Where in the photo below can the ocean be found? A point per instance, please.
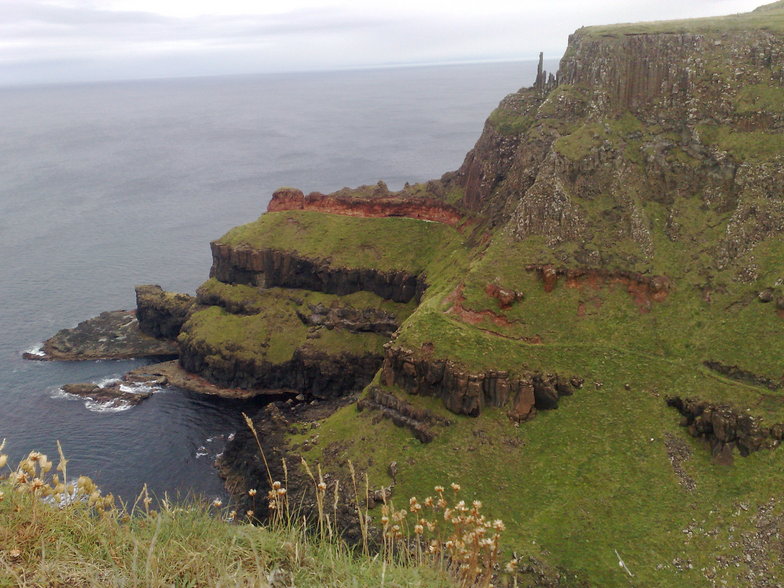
(106, 186)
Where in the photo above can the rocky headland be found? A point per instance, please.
(603, 260)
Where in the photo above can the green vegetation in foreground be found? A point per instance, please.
(381, 243)
(179, 544)
(769, 17)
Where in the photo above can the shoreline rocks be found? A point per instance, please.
(110, 335)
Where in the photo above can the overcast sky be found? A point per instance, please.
(76, 40)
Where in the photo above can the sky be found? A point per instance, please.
(86, 40)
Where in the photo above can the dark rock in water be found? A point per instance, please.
(161, 314)
(110, 335)
(112, 395)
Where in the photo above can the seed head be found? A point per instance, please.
(252, 492)
(276, 485)
(455, 487)
(217, 503)
(419, 529)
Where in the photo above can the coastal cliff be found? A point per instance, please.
(613, 240)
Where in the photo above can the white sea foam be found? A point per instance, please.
(60, 394)
(37, 351)
(113, 406)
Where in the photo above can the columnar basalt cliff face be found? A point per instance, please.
(468, 393)
(316, 373)
(422, 208)
(270, 268)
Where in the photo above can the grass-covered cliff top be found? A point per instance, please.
(379, 243)
(769, 17)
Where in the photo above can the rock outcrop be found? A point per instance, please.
(401, 412)
(464, 392)
(725, 428)
(161, 314)
(354, 320)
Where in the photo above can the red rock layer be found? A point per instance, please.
(428, 209)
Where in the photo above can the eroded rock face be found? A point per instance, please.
(161, 314)
(385, 205)
(468, 393)
(269, 268)
(726, 428)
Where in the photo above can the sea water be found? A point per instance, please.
(106, 186)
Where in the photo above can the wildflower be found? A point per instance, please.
(385, 520)
(276, 485)
(252, 492)
(34, 456)
(322, 486)
(21, 478)
(477, 504)
(3, 460)
(37, 484)
(511, 566)
(455, 487)
(2, 496)
(250, 514)
(217, 503)
(232, 515)
(281, 491)
(419, 529)
(429, 501)
(15, 554)
(498, 525)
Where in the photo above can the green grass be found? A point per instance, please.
(760, 97)
(180, 544)
(380, 243)
(272, 335)
(251, 300)
(748, 146)
(769, 17)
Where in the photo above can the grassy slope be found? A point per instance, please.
(381, 243)
(273, 332)
(769, 17)
(594, 476)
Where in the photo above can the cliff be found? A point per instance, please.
(614, 239)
